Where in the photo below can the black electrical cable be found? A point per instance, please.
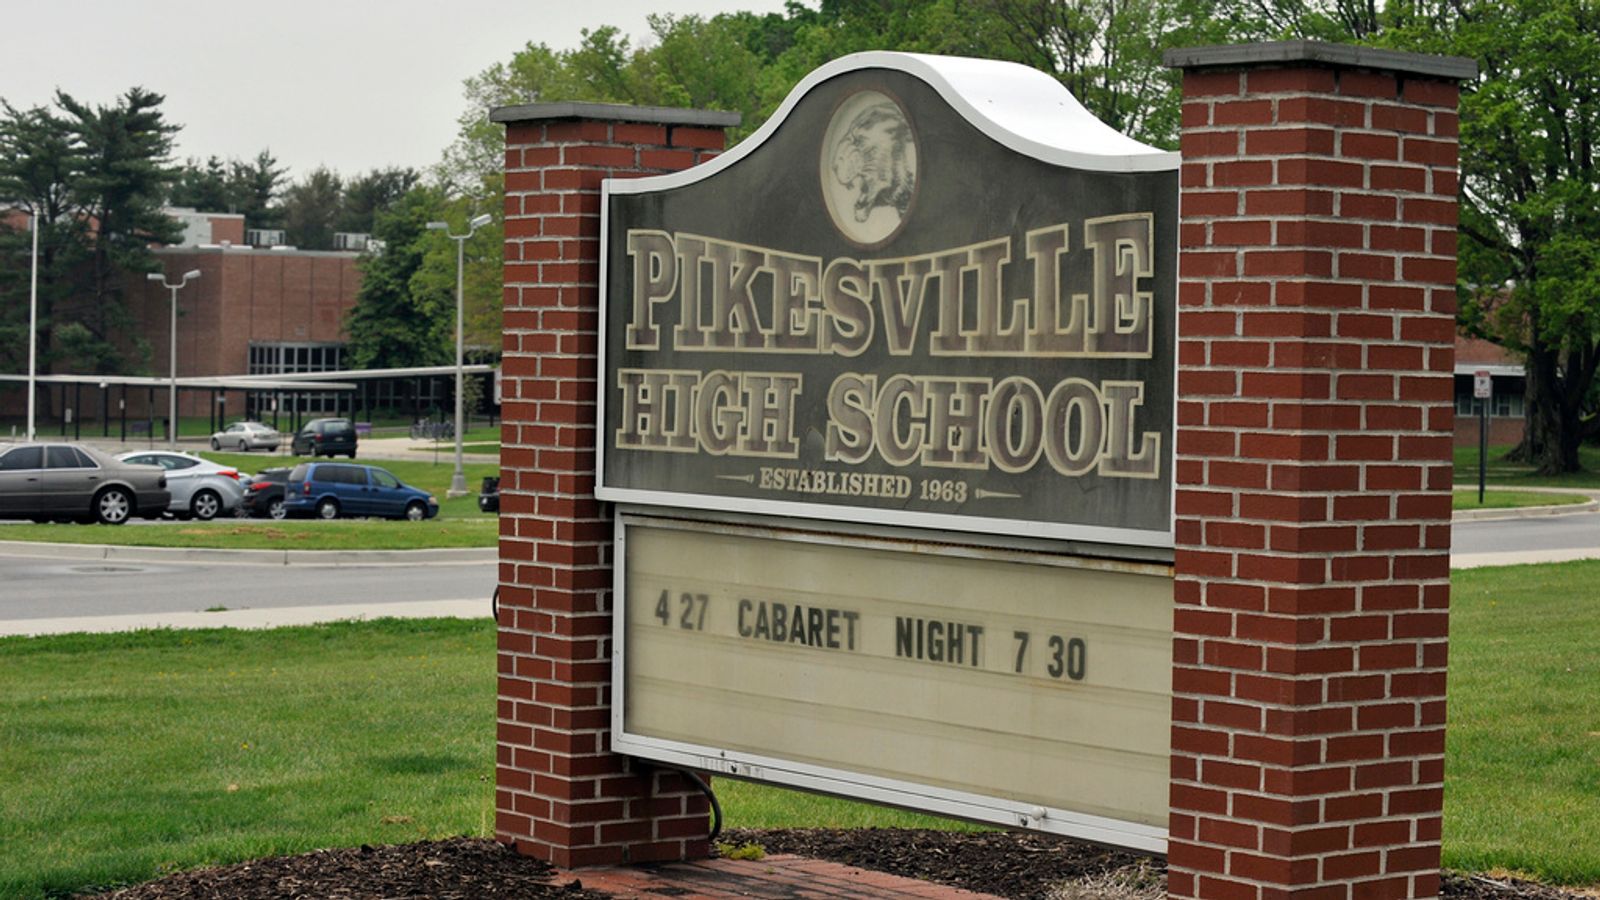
(711, 796)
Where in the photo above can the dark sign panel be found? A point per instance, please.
(890, 308)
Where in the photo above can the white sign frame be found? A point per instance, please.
(823, 779)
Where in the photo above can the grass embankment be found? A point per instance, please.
(262, 534)
(1500, 499)
(129, 756)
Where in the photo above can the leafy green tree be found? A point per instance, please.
(400, 320)
(702, 63)
(1529, 249)
(690, 61)
(1107, 53)
(1530, 214)
(535, 74)
(481, 279)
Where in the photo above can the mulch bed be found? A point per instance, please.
(1025, 866)
(457, 869)
(1015, 865)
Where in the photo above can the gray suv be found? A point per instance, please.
(325, 437)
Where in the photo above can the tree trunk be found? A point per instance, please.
(1551, 441)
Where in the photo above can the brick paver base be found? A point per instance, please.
(779, 877)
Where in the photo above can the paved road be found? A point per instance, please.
(1550, 538)
(44, 594)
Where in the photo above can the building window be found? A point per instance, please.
(1506, 403)
(283, 359)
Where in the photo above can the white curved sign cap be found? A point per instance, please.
(1020, 107)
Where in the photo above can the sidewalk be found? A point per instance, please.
(248, 618)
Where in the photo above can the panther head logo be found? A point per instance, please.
(869, 167)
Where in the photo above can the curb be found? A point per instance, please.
(1530, 512)
(443, 556)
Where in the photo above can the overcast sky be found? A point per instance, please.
(351, 84)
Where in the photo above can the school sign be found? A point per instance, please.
(880, 487)
(910, 301)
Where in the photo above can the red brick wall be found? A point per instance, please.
(241, 296)
(561, 796)
(1503, 431)
(1317, 308)
(227, 230)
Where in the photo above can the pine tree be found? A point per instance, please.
(125, 173)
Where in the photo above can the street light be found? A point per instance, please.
(458, 481)
(33, 319)
(172, 376)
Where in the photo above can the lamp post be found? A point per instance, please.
(458, 481)
(172, 357)
(33, 319)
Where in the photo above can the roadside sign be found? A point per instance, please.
(1482, 385)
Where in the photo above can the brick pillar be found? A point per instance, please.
(560, 794)
(1317, 317)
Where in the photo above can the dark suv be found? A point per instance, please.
(325, 437)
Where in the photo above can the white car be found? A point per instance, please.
(200, 489)
(246, 436)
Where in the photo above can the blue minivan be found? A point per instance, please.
(329, 490)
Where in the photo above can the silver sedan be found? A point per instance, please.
(246, 436)
(201, 489)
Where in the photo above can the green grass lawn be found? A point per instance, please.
(1522, 769)
(130, 756)
(127, 756)
(1498, 470)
